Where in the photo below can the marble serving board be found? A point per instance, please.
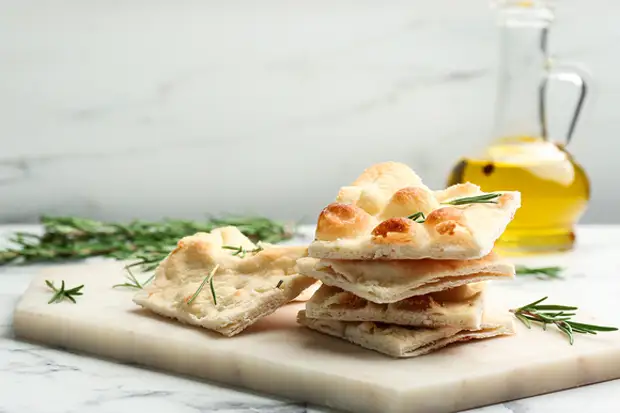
(279, 357)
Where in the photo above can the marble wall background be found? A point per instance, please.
(124, 109)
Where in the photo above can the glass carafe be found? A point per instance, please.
(521, 156)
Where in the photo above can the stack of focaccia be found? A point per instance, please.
(404, 268)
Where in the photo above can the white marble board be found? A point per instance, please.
(279, 357)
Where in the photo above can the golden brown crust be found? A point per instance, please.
(446, 228)
(446, 220)
(399, 225)
(393, 230)
(444, 214)
(339, 220)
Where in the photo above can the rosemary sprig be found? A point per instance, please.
(69, 238)
(417, 217)
(133, 281)
(148, 262)
(478, 199)
(240, 251)
(61, 293)
(209, 279)
(540, 272)
(558, 315)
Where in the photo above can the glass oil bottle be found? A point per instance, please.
(554, 187)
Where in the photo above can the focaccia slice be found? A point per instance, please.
(383, 281)
(250, 282)
(308, 292)
(401, 341)
(457, 307)
(369, 219)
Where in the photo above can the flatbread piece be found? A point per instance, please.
(402, 342)
(460, 307)
(384, 281)
(251, 281)
(369, 219)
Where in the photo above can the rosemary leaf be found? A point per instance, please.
(561, 313)
(478, 199)
(209, 279)
(581, 330)
(534, 303)
(240, 251)
(417, 217)
(524, 320)
(212, 288)
(148, 280)
(591, 327)
(133, 281)
(555, 307)
(540, 272)
(279, 283)
(128, 285)
(565, 327)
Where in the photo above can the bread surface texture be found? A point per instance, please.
(249, 281)
(369, 219)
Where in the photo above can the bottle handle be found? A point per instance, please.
(564, 73)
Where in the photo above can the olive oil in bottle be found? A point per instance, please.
(554, 193)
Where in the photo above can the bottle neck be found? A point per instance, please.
(521, 71)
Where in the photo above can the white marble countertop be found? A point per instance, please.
(38, 379)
